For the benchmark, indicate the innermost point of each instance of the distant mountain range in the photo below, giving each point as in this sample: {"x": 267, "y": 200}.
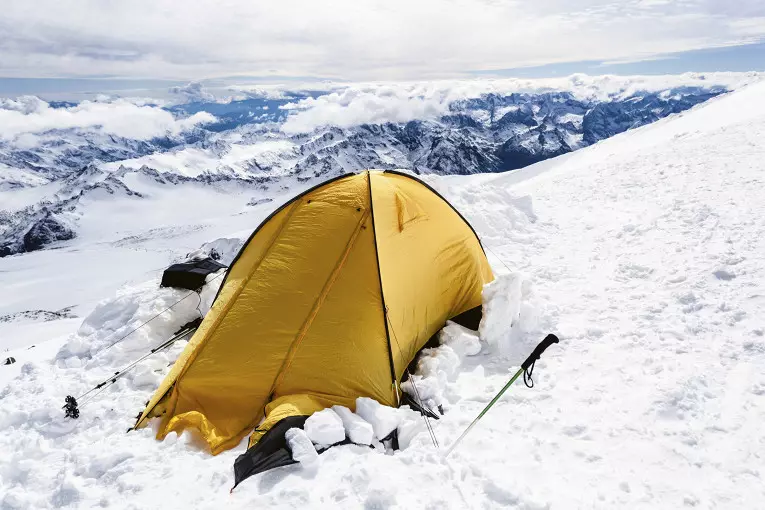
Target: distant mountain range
{"x": 489, "y": 133}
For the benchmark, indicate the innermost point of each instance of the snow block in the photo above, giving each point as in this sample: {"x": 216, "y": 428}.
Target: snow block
{"x": 383, "y": 419}
{"x": 462, "y": 340}
{"x": 325, "y": 428}
{"x": 508, "y": 313}
{"x": 301, "y": 446}
{"x": 357, "y": 429}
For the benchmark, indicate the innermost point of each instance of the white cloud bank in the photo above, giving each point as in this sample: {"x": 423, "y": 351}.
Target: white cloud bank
{"x": 32, "y": 116}
{"x": 349, "y": 39}
{"x": 370, "y": 103}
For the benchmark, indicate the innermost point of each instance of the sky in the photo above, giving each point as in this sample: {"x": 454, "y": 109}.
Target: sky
{"x": 358, "y": 40}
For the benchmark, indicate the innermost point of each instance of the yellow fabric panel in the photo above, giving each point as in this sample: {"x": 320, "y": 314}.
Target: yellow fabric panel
{"x": 163, "y": 397}
{"x": 344, "y": 354}
{"x": 299, "y": 322}
{"x": 267, "y": 312}
{"x": 431, "y": 264}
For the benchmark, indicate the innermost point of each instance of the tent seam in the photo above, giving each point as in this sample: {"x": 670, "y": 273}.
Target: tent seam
{"x": 317, "y": 305}
{"x": 393, "y": 377}
{"x": 294, "y": 199}
{"x": 227, "y": 308}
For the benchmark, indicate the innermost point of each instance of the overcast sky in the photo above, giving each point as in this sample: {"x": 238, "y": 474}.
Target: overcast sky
{"x": 353, "y": 39}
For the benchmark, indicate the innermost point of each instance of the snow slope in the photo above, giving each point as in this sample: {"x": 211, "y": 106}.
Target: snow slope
{"x": 643, "y": 252}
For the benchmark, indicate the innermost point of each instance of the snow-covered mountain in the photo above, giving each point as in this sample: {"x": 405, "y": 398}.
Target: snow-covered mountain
{"x": 643, "y": 252}
{"x": 267, "y": 141}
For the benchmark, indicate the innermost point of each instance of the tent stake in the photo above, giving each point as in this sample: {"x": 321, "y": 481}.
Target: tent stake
{"x": 526, "y": 368}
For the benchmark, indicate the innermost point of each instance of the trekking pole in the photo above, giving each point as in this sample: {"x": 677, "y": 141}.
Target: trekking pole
{"x": 527, "y": 367}
{"x": 72, "y": 408}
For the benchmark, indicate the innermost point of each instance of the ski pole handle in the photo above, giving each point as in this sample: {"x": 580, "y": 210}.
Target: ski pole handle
{"x": 535, "y": 355}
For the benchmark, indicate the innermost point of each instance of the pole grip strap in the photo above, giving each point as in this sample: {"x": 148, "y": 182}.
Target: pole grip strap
{"x": 537, "y": 353}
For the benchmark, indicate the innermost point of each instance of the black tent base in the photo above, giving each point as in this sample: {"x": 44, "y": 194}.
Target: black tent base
{"x": 270, "y": 452}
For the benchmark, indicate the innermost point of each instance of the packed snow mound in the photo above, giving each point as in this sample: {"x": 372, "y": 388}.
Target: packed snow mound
{"x": 509, "y": 316}
{"x": 137, "y": 319}
{"x": 463, "y": 341}
{"x": 436, "y": 367}
{"x": 223, "y": 250}
{"x": 507, "y": 328}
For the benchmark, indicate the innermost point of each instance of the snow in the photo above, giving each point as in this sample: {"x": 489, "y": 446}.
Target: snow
{"x": 194, "y": 161}
{"x": 437, "y": 366}
{"x": 356, "y": 428}
{"x": 463, "y": 341}
{"x": 508, "y": 315}
{"x": 324, "y": 428}
{"x": 642, "y": 252}
{"x": 301, "y": 447}
{"x": 383, "y": 419}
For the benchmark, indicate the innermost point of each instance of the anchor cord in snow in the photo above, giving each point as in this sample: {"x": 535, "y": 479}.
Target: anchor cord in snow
{"x": 425, "y": 417}
{"x": 196, "y": 291}
{"x": 497, "y": 257}
{"x": 428, "y": 425}
{"x": 72, "y": 406}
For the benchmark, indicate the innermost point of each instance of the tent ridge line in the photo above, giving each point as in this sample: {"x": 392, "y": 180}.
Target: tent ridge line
{"x": 317, "y": 305}
{"x": 439, "y": 195}
{"x": 393, "y": 377}
{"x": 268, "y": 218}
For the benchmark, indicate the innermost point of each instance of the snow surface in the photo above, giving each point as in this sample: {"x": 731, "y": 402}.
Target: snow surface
{"x": 643, "y": 252}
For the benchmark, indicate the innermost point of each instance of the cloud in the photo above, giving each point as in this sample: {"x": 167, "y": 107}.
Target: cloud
{"x": 348, "y": 39}
{"x": 32, "y": 116}
{"x": 193, "y": 91}
{"x": 373, "y": 104}
{"x": 370, "y": 103}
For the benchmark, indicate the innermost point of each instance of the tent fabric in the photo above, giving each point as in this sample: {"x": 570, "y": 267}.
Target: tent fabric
{"x": 329, "y": 300}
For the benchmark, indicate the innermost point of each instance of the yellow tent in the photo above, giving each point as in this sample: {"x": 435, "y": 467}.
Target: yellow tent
{"x": 330, "y": 299}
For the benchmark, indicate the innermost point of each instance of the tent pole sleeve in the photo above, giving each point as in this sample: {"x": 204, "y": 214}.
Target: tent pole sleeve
{"x": 385, "y": 319}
